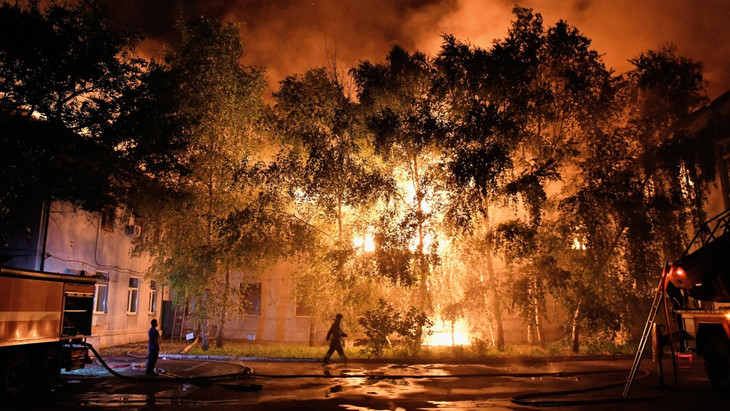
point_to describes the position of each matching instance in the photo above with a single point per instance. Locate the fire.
(366, 243)
(442, 336)
(427, 239)
(578, 244)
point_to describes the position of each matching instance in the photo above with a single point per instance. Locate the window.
(102, 291)
(251, 298)
(132, 295)
(153, 297)
(108, 217)
(302, 310)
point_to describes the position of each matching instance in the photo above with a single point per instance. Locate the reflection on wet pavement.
(354, 386)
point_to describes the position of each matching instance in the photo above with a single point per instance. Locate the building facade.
(63, 239)
(711, 125)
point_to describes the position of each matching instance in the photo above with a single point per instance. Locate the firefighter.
(153, 348)
(335, 336)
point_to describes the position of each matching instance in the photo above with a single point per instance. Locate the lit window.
(133, 295)
(153, 297)
(102, 290)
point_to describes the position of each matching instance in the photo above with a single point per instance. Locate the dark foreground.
(366, 386)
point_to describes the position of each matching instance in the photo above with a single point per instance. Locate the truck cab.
(698, 286)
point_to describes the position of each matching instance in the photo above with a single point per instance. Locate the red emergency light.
(678, 277)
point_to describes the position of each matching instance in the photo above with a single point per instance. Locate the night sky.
(291, 36)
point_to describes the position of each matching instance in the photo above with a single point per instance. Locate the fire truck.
(45, 319)
(697, 291)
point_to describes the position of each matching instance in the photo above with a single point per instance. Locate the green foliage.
(413, 325)
(59, 59)
(379, 324)
(61, 75)
(459, 149)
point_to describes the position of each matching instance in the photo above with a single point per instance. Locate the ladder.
(658, 298)
(178, 323)
(714, 229)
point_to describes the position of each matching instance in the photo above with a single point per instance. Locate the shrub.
(385, 320)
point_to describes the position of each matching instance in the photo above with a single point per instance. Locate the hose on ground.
(245, 373)
(530, 399)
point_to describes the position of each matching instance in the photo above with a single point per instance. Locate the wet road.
(369, 386)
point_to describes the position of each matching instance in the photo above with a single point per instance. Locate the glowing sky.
(290, 36)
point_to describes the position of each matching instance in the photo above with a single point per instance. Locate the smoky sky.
(290, 36)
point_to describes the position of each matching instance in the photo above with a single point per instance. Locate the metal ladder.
(658, 299)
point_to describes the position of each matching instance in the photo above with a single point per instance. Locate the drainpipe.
(45, 216)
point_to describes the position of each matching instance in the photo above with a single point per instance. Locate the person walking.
(335, 336)
(153, 348)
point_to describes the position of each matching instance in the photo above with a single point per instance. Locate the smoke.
(288, 37)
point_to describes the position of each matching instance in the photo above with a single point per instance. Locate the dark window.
(302, 309)
(153, 297)
(108, 215)
(251, 298)
(102, 290)
(132, 295)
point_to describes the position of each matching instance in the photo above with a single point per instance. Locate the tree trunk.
(224, 311)
(453, 325)
(537, 321)
(491, 293)
(574, 335)
(204, 334)
(204, 322)
(312, 331)
(496, 306)
(497, 309)
(538, 324)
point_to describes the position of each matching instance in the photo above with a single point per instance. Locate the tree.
(395, 98)
(517, 113)
(62, 72)
(61, 62)
(219, 102)
(334, 181)
(633, 196)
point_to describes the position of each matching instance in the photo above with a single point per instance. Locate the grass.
(429, 354)
(460, 353)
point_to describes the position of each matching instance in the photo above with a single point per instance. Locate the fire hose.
(246, 372)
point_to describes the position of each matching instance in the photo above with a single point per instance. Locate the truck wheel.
(48, 367)
(717, 363)
(15, 374)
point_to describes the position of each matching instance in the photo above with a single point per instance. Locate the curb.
(487, 361)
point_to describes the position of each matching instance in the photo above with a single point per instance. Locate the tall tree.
(517, 113)
(62, 72)
(60, 61)
(219, 102)
(334, 180)
(396, 98)
(639, 180)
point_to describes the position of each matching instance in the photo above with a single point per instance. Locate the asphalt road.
(276, 385)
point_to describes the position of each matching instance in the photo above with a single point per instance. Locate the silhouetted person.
(334, 336)
(153, 347)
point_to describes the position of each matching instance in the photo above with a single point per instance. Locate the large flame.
(443, 336)
(365, 244)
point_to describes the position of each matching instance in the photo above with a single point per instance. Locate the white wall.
(76, 243)
(278, 320)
